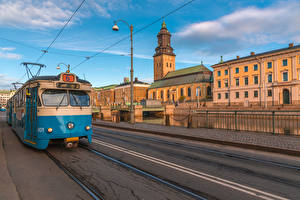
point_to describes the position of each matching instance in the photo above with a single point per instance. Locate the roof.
(189, 70)
(134, 82)
(182, 80)
(260, 54)
(107, 87)
(54, 78)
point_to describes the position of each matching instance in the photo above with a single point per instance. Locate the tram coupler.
(71, 142)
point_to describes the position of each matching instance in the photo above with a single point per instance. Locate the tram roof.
(54, 78)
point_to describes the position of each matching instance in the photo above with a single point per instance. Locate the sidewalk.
(252, 140)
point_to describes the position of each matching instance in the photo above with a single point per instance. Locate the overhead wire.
(59, 33)
(135, 32)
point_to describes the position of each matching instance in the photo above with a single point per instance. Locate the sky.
(201, 31)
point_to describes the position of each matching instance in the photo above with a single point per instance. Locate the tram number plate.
(68, 78)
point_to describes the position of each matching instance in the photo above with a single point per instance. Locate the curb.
(213, 141)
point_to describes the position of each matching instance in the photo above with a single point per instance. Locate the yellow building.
(269, 78)
(170, 85)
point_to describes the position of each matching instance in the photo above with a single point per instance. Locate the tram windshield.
(79, 98)
(52, 97)
(55, 98)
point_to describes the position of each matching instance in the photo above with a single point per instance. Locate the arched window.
(189, 92)
(162, 94)
(170, 64)
(167, 64)
(181, 92)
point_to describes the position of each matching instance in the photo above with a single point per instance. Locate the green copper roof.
(107, 87)
(185, 76)
(189, 70)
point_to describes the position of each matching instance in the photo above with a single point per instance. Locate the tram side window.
(79, 98)
(55, 98)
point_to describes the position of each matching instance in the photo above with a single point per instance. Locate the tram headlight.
(50, 130)
(70, 125)
(87, 128)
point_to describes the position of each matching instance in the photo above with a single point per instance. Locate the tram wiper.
(62, 99)
(76, 101)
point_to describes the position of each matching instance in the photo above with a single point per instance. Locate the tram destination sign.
(68, 85)
(68, 77)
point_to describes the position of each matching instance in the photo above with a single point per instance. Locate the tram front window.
(79, 98)
(55, 98)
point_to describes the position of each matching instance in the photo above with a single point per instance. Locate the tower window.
(170, 64)
(167, 64)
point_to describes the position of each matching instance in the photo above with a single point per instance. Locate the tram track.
(136, 170)
(192, 147)
(94, 194)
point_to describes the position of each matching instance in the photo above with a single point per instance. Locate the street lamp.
(68, 66)
(116, 28)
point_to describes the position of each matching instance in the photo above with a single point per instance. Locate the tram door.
(31, 114)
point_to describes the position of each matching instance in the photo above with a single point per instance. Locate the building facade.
(4, 96)
(122, 92)
(266, 79)
(104, 95)
(170, 85)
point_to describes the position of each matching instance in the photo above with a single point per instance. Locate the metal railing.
(276, 122)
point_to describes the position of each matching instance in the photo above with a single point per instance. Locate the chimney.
(252, 53)
(126, 80)
(237, 57)
(291, 45)
(135, 79)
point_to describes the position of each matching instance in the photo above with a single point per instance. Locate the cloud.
(40, 14)
(7, 55)
(6, 82)
(249, 26)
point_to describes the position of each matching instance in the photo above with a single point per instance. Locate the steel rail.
(144, 173)
(230, 155)
(95, 195)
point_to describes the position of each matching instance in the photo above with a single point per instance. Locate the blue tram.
(50, 109)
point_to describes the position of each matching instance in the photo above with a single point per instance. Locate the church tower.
(164, 58)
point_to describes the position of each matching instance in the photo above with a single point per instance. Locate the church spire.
(163, 25)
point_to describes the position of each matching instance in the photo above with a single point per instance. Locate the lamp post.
(116, 28)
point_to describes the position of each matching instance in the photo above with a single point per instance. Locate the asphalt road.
(213, 171)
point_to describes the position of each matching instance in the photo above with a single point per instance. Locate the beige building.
(264, 79)
(4, 96)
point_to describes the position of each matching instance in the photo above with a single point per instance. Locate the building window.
(255, 67)
(269, 78)
(226, 95)
(226, 70)
(255, 93)
(237, 95)
(246, 69)
(154, 95)
(219, 84)
(237, 70)
(198, 92)
(269, 93)
(255, 79)
(170, 64)
(246, 94)
(269, 65)
(162, 95)
(181, 92)
(189, 92)
(167, 64)
(285, 76)
(226, 83)
(284, 62)
(246, 80)
(237, 81)
(219, 96)
(219, 73)
(168, 94)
